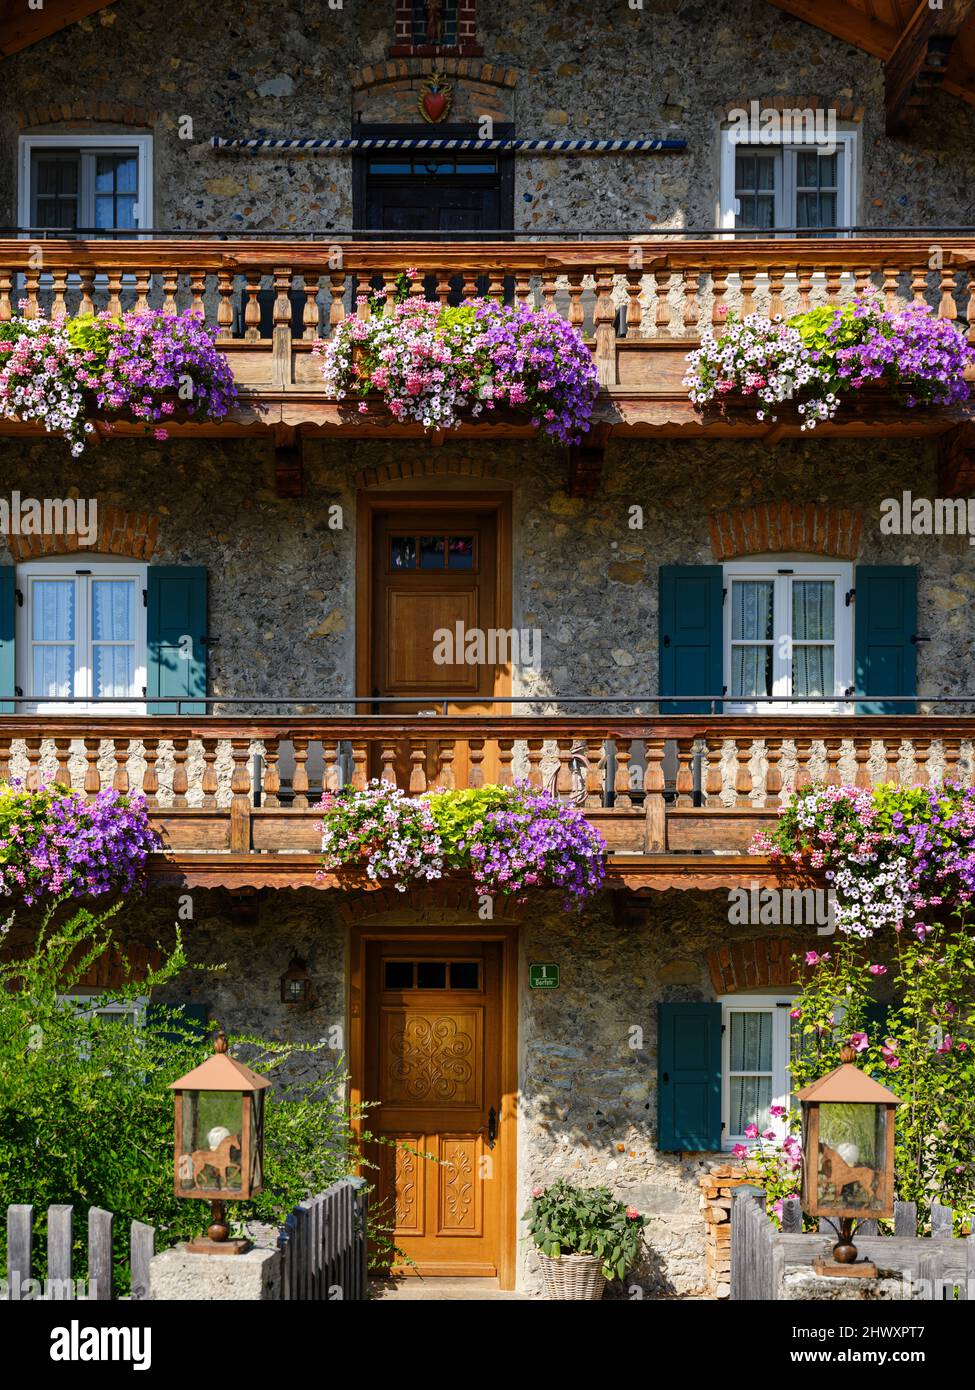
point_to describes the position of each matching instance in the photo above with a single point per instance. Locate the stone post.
(176, 1275)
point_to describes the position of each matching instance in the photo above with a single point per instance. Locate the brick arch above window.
(83, 113)
(380, 475)
(442, 905)
(120, 532)
(846, 109)
(375, 74)
(739, 967)
(783, 527)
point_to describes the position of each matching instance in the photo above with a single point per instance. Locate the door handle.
(492, 1127)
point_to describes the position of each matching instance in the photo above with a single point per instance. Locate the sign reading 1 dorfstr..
(543, 977)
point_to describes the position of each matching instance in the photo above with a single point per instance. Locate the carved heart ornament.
(435, 98)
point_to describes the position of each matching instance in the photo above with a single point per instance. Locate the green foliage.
(568, 1220)
(922, 1051)
(456, 813)
(86, 1116)
(92, 336)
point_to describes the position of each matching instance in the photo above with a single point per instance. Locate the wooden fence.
(60, 1283)
(324, 1246)
(933, 1268)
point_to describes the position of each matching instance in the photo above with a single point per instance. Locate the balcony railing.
(248, 786)
(639, 302)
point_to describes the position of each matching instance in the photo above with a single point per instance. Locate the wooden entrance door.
(434, 569)
(432, 1061)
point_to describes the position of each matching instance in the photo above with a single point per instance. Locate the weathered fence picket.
(60, 1283)
(323, 1246)
(934, 1267)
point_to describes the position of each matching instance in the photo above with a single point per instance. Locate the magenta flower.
(859, 1042)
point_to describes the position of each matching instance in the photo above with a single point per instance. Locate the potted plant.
(584, 1236)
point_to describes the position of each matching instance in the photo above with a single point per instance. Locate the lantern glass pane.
(852, 1147)
(210, 1160)
(257, 1141)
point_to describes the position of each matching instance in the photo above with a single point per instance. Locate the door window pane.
(398, 974)
(431, 552)
(431, 974)
(465, 974)
(460, 553)
(402, 552)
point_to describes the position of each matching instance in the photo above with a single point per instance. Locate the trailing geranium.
(142, 366)
(819, 355)
(434, 364)
(511, 839)
(894, 855)
(56, 843)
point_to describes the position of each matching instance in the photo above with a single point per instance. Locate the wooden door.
(435, 572)
(432, 1061)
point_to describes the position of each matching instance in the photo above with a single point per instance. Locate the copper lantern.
(219, 1150)
(847, 1156)
(296, 983)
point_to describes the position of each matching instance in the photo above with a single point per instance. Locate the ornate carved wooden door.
(433, 1054)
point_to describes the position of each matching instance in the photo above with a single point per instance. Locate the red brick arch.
(120, 532)
(777, 527)
(444, 899)
(846, 110)
(741, 966)
(84, 112)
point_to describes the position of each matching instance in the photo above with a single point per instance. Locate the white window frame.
(73, 567)
(779, 1007)
(841, 572)
(733, 139)
(100, 144)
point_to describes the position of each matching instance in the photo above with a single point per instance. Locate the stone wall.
(668, 69)
(282, 581)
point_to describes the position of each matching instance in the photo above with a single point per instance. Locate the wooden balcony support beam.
(918, 63)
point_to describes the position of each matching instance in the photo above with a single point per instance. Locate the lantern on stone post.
(219, 1148)
(847, 1157)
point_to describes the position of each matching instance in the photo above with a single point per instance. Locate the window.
(788, 633)
(789, 184)
(99, 183)
(130, 1013)
(434, 24)
(756, 1048)
(81, 635)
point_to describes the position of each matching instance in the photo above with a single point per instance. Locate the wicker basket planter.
(573, 1276)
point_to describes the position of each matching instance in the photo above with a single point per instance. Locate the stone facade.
(282, 580)
(588, 71)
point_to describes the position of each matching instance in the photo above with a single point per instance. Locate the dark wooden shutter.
(885, 651)
(8, 623)
(177, 611)
(191, 1019)
(689, 1077)
(691, 636)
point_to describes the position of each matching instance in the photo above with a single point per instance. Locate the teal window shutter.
(191, 1019)
(885, 652)
(689, 1077)
(176, 623)
(8, 614)
(691, 636)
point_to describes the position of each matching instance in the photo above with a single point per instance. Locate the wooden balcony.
(676, 799)
(641, 305)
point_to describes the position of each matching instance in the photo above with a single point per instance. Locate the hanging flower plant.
(892, 854)
(54, 842)
(142, 366)
(435, 364)
(818, 356)
(510, 839)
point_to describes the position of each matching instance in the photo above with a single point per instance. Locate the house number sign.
(543, 977)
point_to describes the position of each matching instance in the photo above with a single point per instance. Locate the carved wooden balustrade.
(654, 787)
(641, 303)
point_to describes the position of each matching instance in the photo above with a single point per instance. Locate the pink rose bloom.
(776, 1111)
(632, 1214)
(795, 1013)
(812, 957)
(945, 1044)
(537, 1191)
(740, 1151)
